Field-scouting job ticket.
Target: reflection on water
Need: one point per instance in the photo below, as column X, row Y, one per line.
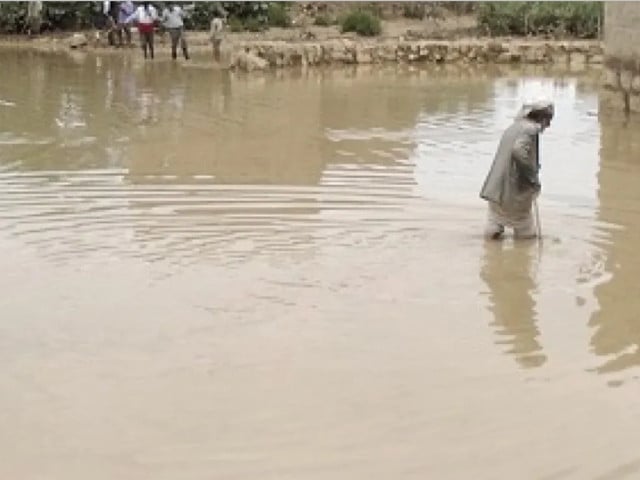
column 616, row 323
column 509, row 275
column 209, row 275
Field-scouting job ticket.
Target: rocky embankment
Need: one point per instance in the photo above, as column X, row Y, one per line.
column 251, row 54
column 258, row 55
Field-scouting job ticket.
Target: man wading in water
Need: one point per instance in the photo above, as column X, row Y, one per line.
column 512, row 184
column 145, row 16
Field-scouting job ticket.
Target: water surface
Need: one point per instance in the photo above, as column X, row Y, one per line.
column 283, row 277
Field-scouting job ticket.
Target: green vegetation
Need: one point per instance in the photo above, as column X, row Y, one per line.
column 235, row 25
column 241, row 16
column 202, row 13
column 253, row 24
column 56, row 15
column 323, row 20
column 278, row 15
column 13, row 16
column 460, row 8
column 560, row 19
column 414, row 10
column 362, row 22
column 253, row 16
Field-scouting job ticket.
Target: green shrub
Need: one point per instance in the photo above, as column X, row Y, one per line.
column 235, row 24
column 254, row 24
column 413, row 10
column 278, row 15
column 576, row 19
column 55, row 15
column 73, row 15
column 203, row 12
column 239, row 15
column 461, row 8
column 361, row 22
column 13, row 16
column 250, row 24
column 323, row 20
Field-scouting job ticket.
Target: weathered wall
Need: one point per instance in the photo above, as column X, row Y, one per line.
column 622, row 56
column 367, row 51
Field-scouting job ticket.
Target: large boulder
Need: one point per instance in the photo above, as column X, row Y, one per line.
column 249, row 62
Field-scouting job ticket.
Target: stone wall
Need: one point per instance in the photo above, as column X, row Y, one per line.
column 263, row 54
column 622, row 57
column 259, row 54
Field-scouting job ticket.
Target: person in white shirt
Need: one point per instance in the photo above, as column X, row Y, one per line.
column 145, row 17
column 34, row 17
column 173, row 21
column 216, row 33
column 125, row 9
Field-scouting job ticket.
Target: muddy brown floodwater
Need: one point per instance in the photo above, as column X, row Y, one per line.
column 282, row 276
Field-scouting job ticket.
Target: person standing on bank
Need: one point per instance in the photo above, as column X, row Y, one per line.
column 109, row 12
column 125, row 10
column 145, row 17
column 173, row 21
column 216, row 33
column 512, row 184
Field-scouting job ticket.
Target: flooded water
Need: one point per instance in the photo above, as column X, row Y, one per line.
column 209, row 276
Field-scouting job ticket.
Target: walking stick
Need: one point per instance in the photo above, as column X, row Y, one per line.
column 538, row 226
column 535, row 201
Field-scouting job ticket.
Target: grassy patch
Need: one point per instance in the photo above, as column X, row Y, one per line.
column 362, row 22
column 323, row 20
column 278, row 15
column 413, row 10
column 560, row 19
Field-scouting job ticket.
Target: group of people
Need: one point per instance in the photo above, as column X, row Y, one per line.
column 121, row 15
column 115, row 15
column 512, row 184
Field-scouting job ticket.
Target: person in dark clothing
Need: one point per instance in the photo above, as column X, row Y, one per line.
column 125, row 9
column 110, row 10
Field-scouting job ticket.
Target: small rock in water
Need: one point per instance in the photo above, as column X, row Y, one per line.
column 77, row 40
column 248, row 62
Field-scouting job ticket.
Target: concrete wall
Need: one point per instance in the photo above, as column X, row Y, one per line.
column 622, row 56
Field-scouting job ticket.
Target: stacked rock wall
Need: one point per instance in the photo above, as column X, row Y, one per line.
column 622, row 57
column 360, row 51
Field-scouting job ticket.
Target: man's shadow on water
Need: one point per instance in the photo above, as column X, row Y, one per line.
column 508, row 271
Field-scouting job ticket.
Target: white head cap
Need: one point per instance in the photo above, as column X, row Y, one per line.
column 536, row 106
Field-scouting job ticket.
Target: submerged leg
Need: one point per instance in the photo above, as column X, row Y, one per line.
column 150, row 40
column 525, row 228
column 494, row 232
column 183, row 43
column 174, row 33
column 143, row 43
column 494, row 228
